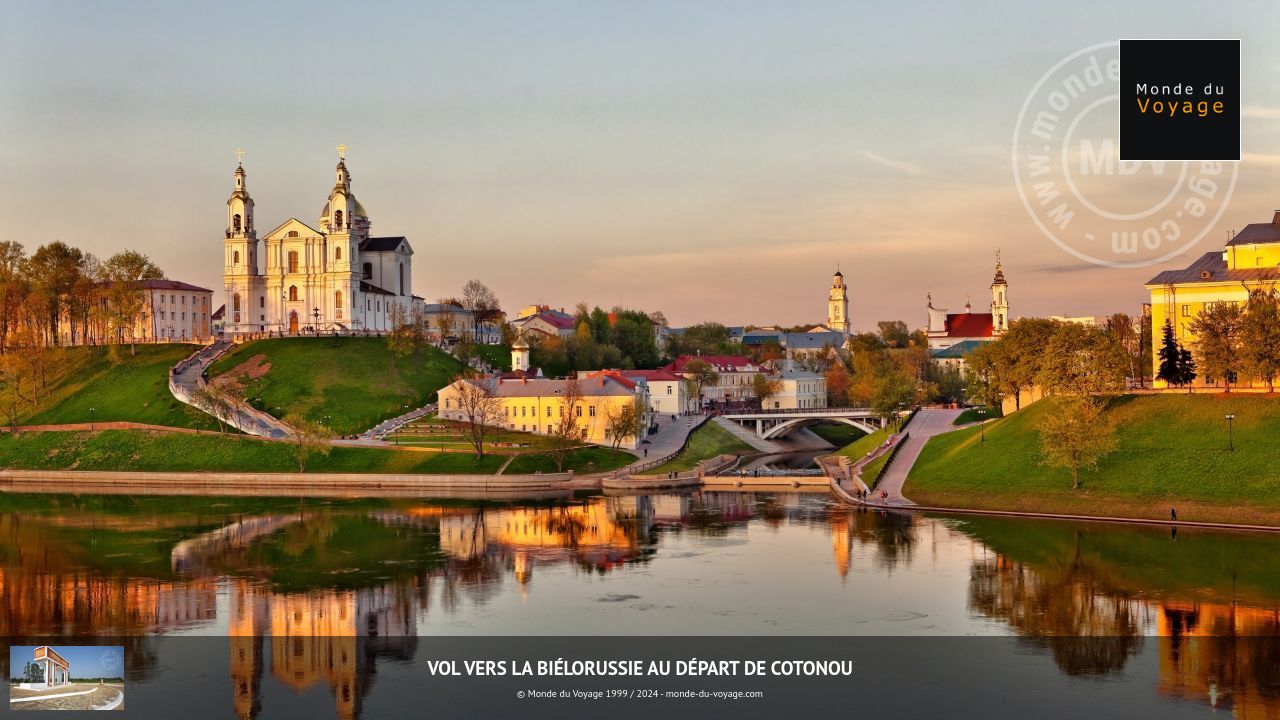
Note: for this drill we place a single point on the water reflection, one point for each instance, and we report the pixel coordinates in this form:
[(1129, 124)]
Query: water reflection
[(315, 594)]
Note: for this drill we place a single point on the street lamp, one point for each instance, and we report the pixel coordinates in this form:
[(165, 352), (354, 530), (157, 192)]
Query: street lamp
[(315, 326), (1231, 445), (91, 419), (982, 426)]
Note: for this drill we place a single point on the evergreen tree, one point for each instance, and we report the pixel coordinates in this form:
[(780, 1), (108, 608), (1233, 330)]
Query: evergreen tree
[(1186, 371), (1170, 357)]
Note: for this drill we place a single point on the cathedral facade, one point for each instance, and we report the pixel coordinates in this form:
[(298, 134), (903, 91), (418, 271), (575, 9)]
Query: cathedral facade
[(334, 277)]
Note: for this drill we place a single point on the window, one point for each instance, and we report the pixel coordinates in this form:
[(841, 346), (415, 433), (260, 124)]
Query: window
[(579, 411), (337, 219), (235, 258), (293, 261), (235, 302), (1186, 311), (548, 411), (337, 299), (367, 271), (591, 411), (337, 253), (262, 301), (293, 293), (401, 278), (235, 222)]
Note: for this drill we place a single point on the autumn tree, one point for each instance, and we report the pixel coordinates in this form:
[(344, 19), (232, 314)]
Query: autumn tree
[(764, 387), (1219, 347), (1076, 435), (837, 377), (624, 421), (124, 274), (1260, 336), (308, 438), (698, 376), (1081, 360)]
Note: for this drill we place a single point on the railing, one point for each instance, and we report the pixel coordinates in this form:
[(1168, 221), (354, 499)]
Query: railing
[(893, 453), (649, 464), (801, 411)]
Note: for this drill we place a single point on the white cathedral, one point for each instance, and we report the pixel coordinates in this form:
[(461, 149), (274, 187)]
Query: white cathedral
[(336, 278)]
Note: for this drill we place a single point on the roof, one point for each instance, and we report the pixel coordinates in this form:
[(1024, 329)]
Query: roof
[(217, 314), (172, 285), (1209, 268), (557, 320), (382, 244), (613, 375), (720, 362), (813, 340), (658, 375), (369, 287), (603, 385), (969, 325), (959, 350), (1258, 233), (442, 308)]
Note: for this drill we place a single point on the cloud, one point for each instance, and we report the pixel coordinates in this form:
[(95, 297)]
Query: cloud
[(1259, 111), (900, 165)]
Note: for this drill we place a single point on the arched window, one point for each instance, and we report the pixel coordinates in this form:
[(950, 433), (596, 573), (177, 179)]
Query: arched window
[(293, 293), (337, 253), (235, 257), (337, 219), (235, 302), (293, 261), (401, 278), (235, 222), (337, 299), (368, 271)]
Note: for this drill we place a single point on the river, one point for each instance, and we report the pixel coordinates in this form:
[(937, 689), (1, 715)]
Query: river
[(702, 563)]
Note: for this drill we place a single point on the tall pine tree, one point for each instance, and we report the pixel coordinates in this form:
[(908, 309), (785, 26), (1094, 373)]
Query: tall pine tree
[(1170, 357)]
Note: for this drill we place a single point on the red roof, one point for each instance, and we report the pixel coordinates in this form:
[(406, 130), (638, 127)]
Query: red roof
[(613, 375), (719, 362), (969, 325), (658, 375)]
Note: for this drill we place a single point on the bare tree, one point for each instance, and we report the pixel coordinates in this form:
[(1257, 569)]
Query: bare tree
[(309, 438), (479, 408), (481, 302), (214, 403), (624, 422), (566, 433)]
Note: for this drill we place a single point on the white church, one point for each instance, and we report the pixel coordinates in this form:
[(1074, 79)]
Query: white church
[(334, 277)]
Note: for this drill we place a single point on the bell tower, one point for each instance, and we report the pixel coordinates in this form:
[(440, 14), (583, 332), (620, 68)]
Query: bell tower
[(999, 301), (241, 242), (838, 305)]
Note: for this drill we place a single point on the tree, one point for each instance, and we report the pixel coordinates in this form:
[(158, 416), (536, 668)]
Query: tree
[(837, 385), (1170, 356), (1075, 435), (764, 387), (481, 302), (1186, 367), (126, 297), (894, 333), (53, 270), (1260, 336), (210, 401), (698, 375), (1120, 327), (13, 288), (309, 438), (894, 391), (479, 407), (1219, 349), (627, 420), (565, 433), (981, 383), (1081, 360)]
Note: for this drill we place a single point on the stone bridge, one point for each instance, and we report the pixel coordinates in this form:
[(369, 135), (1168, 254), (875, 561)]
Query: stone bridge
[(773, 424)]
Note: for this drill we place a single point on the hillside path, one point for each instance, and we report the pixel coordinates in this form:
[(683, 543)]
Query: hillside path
[(926, 423)]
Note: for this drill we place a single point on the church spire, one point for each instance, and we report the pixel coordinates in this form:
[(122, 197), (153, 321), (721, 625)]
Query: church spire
[(240, 205), (999, 301)]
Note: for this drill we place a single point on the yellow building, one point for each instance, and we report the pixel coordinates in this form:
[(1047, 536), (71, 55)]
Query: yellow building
[(537, 404), (1248, 261)]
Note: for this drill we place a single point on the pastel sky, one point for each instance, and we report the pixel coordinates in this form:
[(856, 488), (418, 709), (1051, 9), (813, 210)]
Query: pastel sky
[(714, 160)]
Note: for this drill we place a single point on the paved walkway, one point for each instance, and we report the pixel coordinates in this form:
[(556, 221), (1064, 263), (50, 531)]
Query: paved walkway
[(188, 376), (926, 423), (669, 438)]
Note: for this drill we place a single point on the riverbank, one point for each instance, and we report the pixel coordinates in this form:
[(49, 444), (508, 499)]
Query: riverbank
[(1172, 451)]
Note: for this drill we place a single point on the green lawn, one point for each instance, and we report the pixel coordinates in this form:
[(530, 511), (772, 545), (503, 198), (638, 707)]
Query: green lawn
[(89, 386), (498, 356), (159, 451), (347, 384), (972, 415), (873, 467), (838, 434), (585, 460), (864, 445), (1171, 451), (707, 441)]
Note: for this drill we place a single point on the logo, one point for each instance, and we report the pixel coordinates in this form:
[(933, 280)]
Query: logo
[(1083, 196), (112, 659)]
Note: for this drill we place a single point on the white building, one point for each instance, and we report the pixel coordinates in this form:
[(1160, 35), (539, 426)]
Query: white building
[(333, 277), (800, 389)]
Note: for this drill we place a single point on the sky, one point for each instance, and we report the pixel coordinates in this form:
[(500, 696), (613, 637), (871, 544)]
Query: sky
[(712, 160), (85, 661)]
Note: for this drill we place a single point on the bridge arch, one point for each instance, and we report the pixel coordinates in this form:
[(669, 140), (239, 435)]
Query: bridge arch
[(785, 428)]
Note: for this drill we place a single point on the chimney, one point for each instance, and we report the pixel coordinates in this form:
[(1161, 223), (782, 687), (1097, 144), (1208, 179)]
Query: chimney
[(1275, 219)]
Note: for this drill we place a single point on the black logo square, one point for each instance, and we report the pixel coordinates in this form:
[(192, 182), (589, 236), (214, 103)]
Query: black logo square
[(1180, 100)]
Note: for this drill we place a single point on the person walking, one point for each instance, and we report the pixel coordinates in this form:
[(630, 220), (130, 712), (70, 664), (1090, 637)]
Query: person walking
[(1173, 514)]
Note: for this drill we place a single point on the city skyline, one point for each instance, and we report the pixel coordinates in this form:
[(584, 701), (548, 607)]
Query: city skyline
[(669, 157)]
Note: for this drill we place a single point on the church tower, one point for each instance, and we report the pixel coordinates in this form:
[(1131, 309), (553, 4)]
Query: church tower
[(838, 306), (999, 301), (240, 248)]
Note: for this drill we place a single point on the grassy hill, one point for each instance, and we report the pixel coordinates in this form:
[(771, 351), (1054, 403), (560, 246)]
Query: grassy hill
[(147, 451), (706, 442), (347, 384), (132, 388), (1171, 451)]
